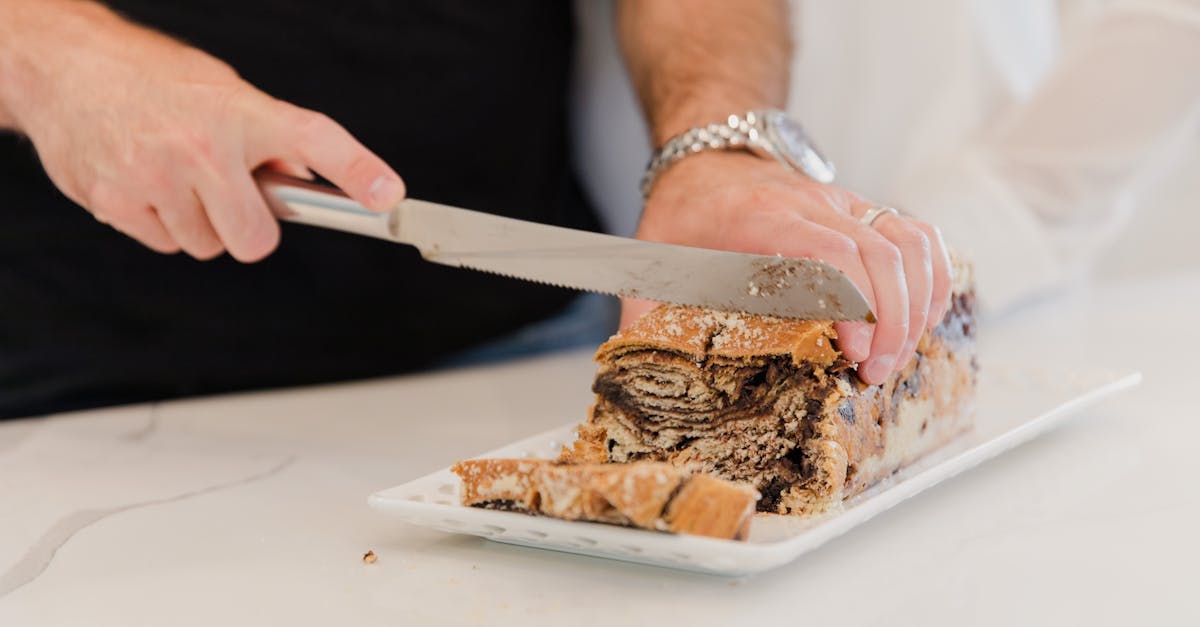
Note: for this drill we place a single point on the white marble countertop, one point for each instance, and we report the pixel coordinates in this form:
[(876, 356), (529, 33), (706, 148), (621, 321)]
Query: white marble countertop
[(250, 509)]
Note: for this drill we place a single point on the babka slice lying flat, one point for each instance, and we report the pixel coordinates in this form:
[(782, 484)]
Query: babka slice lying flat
[(773, 404), (647, 494)]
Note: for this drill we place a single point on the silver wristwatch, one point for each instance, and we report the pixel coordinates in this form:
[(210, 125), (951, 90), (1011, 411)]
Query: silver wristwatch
[(765, 132)]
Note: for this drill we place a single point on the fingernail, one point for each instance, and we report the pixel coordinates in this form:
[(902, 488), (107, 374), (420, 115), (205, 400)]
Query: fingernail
[(879, 368), (386, 191)]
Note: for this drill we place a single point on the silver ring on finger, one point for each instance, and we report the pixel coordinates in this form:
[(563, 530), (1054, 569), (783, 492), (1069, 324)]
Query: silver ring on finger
[(876, 212)]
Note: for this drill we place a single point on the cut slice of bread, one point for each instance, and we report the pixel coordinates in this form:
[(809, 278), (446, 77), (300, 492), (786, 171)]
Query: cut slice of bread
[(649, 495)]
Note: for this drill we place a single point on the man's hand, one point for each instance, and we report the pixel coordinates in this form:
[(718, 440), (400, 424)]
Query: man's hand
[(159, 139), (697, 61), (737, 201)]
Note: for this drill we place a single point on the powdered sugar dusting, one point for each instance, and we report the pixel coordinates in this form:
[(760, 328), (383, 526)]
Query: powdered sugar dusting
[(701, 332)]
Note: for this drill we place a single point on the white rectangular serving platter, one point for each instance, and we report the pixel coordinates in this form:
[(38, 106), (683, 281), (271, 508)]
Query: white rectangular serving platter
[(1015, 405)]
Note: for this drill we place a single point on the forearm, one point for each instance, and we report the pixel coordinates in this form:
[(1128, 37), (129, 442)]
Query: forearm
[(36, 42), (697, 61), (13, 18)]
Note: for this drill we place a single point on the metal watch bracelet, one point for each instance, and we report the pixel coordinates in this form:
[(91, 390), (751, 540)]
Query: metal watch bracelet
[(734, 133)]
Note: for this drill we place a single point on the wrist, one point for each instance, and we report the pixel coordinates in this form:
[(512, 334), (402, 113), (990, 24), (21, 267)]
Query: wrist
[(679, 180)]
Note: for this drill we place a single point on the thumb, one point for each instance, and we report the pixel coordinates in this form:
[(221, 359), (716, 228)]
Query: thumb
[(315, 141)]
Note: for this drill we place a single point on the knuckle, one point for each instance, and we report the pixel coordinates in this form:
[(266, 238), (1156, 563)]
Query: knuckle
[(362, 165), (232, 99), (847, 197), (884, 253), (109, 204), (100, 196), (933, 232), (196, 61), (156, 183), (843, 246), (915, 221), (312, 125), (910, 238), (828, 198), (121, 213)]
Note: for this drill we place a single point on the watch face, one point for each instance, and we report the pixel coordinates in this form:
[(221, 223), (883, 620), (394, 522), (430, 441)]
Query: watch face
[(791, 140)]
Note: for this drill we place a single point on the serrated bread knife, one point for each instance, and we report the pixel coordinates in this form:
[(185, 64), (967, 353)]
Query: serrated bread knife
[(714, 279)]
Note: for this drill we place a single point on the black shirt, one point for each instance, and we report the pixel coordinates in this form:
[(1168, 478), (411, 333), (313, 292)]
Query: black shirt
[(466, 100)]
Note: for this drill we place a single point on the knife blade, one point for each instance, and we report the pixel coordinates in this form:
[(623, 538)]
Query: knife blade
[(727, 281)]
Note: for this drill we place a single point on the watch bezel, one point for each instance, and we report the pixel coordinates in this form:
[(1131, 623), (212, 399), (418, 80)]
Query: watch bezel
[(810, 161)]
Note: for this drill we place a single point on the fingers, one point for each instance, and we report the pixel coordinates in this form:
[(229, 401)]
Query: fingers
[(238, 213), (885, 264), (111, 206), (185, 176), (204, 212), (319, 143), (900, 265), (943, 285), (144, 226), (909, 271), (915, 249), (887, 291), (185, 219)]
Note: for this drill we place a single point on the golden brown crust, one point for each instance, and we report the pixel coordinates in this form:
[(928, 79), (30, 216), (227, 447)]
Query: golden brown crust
[(707, 506), (646, 494), (639, 491), (487, 480), (703, 333)]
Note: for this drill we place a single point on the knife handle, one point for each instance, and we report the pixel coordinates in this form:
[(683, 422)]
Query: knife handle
[(304, 202)]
